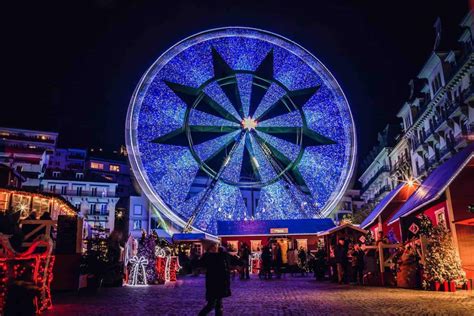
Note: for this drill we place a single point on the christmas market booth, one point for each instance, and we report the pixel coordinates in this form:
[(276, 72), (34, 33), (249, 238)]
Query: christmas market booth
[(378, 220), (438, 218), (288, 233), (40, 236), (329, 238)]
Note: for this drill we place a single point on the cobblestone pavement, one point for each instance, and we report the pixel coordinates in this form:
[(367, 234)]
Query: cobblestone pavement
[(288, 296)]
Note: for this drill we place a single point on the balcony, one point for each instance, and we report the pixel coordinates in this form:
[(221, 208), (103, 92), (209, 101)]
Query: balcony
[(382, 190), (376, 175), (91, 193)]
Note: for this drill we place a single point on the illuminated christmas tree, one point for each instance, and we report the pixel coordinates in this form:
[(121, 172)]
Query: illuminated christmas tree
[(442, 262)]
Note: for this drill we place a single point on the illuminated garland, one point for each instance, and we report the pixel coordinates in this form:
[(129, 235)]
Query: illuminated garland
[(38, 265), (138, 271)]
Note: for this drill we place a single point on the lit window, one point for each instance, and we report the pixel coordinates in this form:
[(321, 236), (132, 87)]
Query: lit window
[(137, 210), (137, 225), (114, 168), (96, 165)]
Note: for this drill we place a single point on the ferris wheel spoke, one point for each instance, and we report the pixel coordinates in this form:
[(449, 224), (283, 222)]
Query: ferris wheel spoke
[(291, 119), (200, 134), (244, 84), (279, 162), (309, 137), (250, 165), (298, 97), (189, 95), (259, 86)]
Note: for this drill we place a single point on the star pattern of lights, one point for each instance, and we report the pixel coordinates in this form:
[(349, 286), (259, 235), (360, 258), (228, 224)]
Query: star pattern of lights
[(236, 109)]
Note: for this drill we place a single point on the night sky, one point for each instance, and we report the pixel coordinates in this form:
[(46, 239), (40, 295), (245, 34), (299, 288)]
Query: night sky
[(71, 66)]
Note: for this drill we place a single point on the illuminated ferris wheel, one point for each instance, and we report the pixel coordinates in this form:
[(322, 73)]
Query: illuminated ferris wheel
[(239, 123)]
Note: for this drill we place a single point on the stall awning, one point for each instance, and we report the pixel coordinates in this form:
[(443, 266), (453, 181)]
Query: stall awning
[(273, 227), (379, 208), (436, 183)]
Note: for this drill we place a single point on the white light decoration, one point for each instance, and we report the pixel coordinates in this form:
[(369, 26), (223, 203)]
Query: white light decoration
[(138, 268)]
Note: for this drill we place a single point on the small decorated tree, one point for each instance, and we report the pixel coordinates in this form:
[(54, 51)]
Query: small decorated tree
[(442, 262)]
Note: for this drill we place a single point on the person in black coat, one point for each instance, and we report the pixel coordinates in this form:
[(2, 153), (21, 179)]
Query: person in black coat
[(244, 254), (340, 255), (217, 265)]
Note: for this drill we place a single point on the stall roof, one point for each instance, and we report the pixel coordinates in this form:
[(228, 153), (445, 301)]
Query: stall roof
[(381, 206), (265, 227), (337, 228), (436, 183)]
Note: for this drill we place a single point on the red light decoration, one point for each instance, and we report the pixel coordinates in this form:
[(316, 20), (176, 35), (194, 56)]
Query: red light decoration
[(34, 266)]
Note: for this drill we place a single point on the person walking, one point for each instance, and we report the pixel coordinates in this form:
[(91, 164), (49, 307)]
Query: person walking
[(244, 254), (266, 263), (302, 258), (340, 255), (278, 260), (358, 264), (217, 265)]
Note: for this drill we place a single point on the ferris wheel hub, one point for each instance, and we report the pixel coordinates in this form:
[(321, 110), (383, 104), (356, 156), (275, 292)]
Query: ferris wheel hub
[(249, 123)]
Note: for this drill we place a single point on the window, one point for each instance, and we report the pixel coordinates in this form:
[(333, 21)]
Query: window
[(114, 168), (232, 245), (3, 201), (137, 225), (52, 188), (40, 205), (78, 206), (79, 191), (440, 217), (97, 165), (64, 189), (56, 174), (302, 243), (198, 247), (255, 245), (137, 210), (94, 191), (103, 209), (92, 209), (79, 175)]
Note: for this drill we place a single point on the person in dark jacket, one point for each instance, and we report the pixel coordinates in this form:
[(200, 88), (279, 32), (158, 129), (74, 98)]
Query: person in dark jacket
[(244, 254), (340, 256), (358, 264), (217, 265), (266, 263), (278, 260)]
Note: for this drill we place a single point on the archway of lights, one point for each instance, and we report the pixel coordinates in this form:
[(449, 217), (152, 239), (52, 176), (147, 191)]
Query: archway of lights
[(233, 111)]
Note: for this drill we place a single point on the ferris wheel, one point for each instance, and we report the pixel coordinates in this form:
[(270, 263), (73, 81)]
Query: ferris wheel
[(240, 123)]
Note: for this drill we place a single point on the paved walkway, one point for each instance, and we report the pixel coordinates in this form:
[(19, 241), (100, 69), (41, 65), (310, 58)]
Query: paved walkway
[(290, 296)]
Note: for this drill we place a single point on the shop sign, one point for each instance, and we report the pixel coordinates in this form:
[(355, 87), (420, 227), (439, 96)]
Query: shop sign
[(278, 230)]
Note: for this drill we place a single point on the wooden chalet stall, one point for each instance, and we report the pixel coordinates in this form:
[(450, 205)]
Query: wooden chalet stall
[(51, 243), (288, 232), (329, 238), (378, 220), (446, 197)]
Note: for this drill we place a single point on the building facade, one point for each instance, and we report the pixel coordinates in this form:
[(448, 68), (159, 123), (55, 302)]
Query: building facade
[(94, 197), (27, 152), (438, 118), (375, 180)]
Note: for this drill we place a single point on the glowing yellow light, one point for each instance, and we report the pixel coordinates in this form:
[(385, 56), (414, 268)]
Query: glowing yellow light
[(249, 123)]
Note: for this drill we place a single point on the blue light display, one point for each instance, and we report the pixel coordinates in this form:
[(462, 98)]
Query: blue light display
[(184, 125)]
